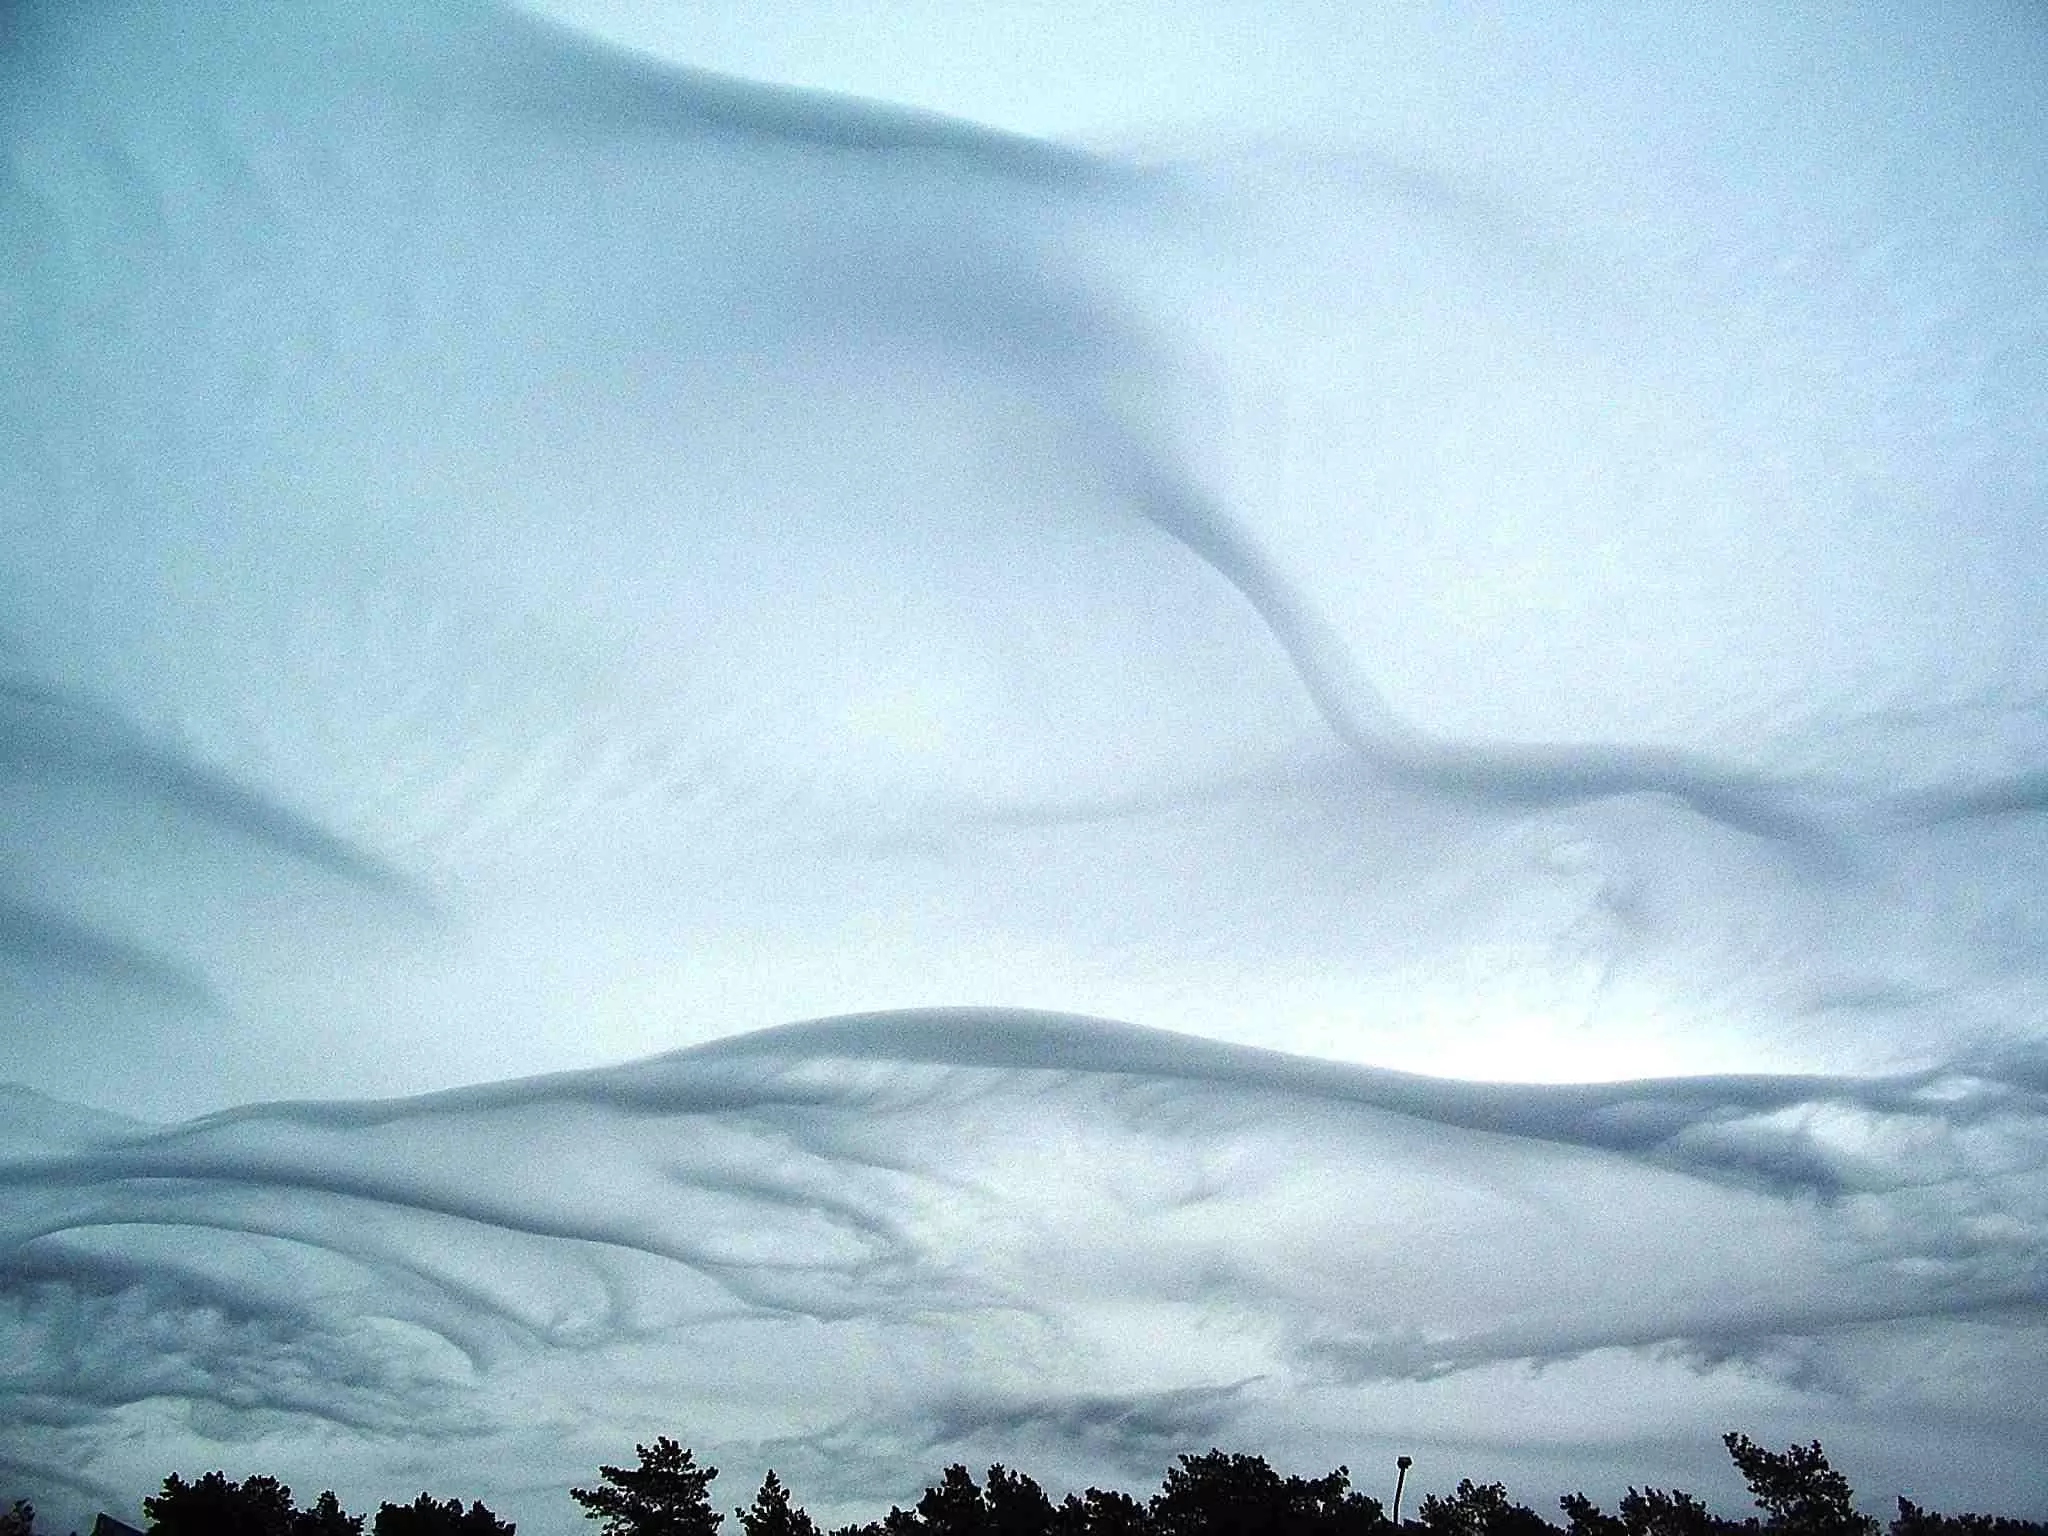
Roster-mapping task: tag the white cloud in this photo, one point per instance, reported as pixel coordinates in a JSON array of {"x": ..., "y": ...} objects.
[{"x": 1504, "y": 554}]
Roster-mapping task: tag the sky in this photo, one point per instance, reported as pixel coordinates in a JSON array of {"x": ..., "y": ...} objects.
[{"x": 1046, "y": 733}]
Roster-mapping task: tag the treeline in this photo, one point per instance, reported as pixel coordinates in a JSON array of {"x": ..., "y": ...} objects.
[
  {"x": 1216, "y": 1493},
  {"x": 262, "y": 1506}
]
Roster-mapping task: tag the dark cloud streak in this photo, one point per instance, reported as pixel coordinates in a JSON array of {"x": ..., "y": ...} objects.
[{"x": 48, "y": 941}]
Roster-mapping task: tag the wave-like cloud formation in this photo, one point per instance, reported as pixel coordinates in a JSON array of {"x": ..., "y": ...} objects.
[
  {"x": 515, "y": 513},
  {"x": 515, "y": 556},
  {"x": 858, "y": 1245}
]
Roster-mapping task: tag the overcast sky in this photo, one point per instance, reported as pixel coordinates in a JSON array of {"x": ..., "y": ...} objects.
[{"x": 1359, "y": 693}]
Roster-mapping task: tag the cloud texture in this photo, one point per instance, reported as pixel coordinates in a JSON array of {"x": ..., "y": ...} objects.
[
  {"x": 854, "y": 1246},
  {"x": 1480, "y": 595}
]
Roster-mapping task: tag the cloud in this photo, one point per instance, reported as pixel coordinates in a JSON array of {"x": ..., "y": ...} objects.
[
  {"x": 47, "y": 940},
  {"x": 57, "y": 749},
  {"x": 908, "y": 1236},
  {"x": 47, "y": 737},
  {"x": 1521, "y": 655},
  {"x": 2020, "y": 794},
  {"x": 655, "y": 360}
]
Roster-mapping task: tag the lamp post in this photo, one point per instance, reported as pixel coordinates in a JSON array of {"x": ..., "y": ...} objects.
[{"x": 1401, "y": 1466}]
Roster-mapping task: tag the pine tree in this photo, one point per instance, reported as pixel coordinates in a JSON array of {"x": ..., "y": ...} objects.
[
  {"x": 666, "y": 1495},
  {"x": 1796, "y": 1488},
  {"x": 771, "y": 1513},
  {"x": 428, "y": 1516},
  {"x": 326, "y": 1518}
]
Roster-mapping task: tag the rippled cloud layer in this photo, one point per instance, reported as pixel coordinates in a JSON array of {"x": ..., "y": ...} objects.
[
  {"x": 1503, "y": 566},
  {"x": 853, "y": 1247}
]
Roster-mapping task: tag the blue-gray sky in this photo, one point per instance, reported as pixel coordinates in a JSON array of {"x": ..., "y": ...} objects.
[{"x": 1495, "y": 554}]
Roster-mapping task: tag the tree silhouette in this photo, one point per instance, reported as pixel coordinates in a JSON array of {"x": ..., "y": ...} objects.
[
  {"x": 1652, "y": 1512},
  {"x": 1799, "y": 1493},
  {"x": 256, "y": 1506},
  {"x": 1328, "y": 1506},
  {"x": 1223, "y": 1494},
  {"x": 666, "y": 1495},
  {"x": 771, "y": 1513},
  {"x": 1582, "y": 1517},
  {"x": 953, "y": 1506},
  {"x": 427, "y": 1516},
  {"x": 1915, "y": 1521},
  {"x": 1016, "y": 1505},
  {"x": 1103, "y": 1512},
  {"x": 1218, "y": 1494},
  {"x": 215, "y": 1506},
  {"x": 1211, "y": 1494},
  {"x": 1479, "y": 1509},
  {"x": 326, "y": 1518}
]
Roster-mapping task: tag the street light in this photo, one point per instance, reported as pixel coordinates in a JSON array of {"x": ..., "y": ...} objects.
[{"x": 1401, "y": 1466}]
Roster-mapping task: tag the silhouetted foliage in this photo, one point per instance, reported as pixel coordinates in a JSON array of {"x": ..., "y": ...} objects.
[
  {"x": 1215, "y": 1493},
  {"x": 326, "y": 1518},
  {"x": 1652, "y": 1512},
  {"x": 1915, "y": 1521},
  {"x": 428, "y": 1516},
  {"x": 772, "y": 1514},
  {"x": 898, "y": 1522},
  {"x": 1010, "y": 1504},
  {"x": 1223, "y": 1494},
  {"x": 1479, "y": 1509},
  {"x": 256, "y": 1506},
  {"x": 1016, "y": 1505},
  {"x": 1329, "y": 1506},
  {"x": 1103, "y": 1512},
  {"x": 1799, "y": 1493},
  {"x": 1582, "y": 1517},
  {"x": 668, "y": 1494},
  {"x": 953, "y": 1506},
  {"x": 215, "y": 1506}
]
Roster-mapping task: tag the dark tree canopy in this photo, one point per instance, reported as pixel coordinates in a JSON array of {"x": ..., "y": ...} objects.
[
  {"x": 1214, "y": 1493},
  {"x": 1016, "y": 1505},
  {"x": 428, "y": 1516},
  {"x": 262, "y": 1506},
  {"x": 1653, "y": 1512},
  {"x": 772, "y": 1514},
  {"x": 1479, "y": 1509},
  {"x": 1915, "y": 1521},
  {"x": 954, "y": 1506},
  {"x": 326, "y": 1518},
  {"x": 1218, "y": 1494},
  {"x": 1227, "y": 1494},
  {"x": 1582, "y": 1517},
  {"x": 1650, "y": 1512},
  {"x": 256, "y": 1506},
  {"x": 216, "y": 1506},
  {"x": 1104, "y": 1512},
  {"x": 1799, "y": 1493},
  {"x": 668, "y": 1494}
]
